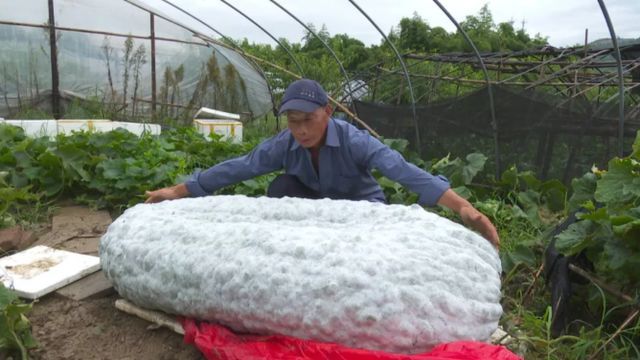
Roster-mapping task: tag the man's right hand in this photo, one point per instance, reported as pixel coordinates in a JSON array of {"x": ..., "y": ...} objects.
[{"x": 168, "y": 193}]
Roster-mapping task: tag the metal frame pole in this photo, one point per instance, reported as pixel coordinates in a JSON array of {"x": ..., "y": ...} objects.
[
  {"x": 406, "y": 75},
  {"x": 333, "y": 54},
  {"x": 230, "y": 46},
  {"x": 55, "y": 76},
  {"x": 293, "y": 58},
  {"x": 494, "y": 123},
  {"x": 616, "y": 48},
  {"x": 153, "y": 65}
]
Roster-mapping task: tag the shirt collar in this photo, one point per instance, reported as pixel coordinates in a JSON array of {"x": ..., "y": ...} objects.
[{"x": 331, "y": 140}]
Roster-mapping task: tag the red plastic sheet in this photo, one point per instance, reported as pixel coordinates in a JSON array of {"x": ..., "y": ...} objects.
[{"x": 218, "y": 343}]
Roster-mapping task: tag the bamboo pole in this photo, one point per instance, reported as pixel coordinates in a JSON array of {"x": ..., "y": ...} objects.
[
  {"x": 626, "y": 322},
  {"x": 515, "y": 83}
]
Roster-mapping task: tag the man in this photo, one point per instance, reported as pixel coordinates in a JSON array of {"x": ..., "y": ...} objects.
[{"x": 325, "y": 157}]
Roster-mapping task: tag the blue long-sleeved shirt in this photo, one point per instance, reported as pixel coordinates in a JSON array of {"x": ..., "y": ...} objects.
[{"x": 345, "y": 163}]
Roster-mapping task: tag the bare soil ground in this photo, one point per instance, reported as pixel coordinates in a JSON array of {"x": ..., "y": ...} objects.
[{"x": 93, "y": 328}]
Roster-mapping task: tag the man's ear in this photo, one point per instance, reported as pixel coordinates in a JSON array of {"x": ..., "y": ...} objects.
[{"x": 328, "y": 109}]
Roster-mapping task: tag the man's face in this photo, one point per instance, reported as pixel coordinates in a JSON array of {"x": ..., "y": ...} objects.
[{"x": 309, "y": 128}]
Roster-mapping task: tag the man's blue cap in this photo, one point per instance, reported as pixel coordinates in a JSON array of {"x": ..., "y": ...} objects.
[{"x": 303, "y": 95}]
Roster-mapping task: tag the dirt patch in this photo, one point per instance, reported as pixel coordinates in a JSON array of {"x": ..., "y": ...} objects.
[
  {"x": 35, "y": 268},
  {"x": 93, "y": 328},
  {"x": 76, "y": 228}
]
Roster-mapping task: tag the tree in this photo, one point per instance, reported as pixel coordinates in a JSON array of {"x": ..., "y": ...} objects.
[
  {"x": 414, "y": 34},
  {"x": 311, "y": 42}
]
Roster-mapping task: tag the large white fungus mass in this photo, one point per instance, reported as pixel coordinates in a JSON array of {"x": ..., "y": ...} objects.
[{"x": 367, "y": 275}]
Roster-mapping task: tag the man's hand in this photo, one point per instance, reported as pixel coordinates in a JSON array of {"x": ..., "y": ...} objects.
[
  {"x": 479, "y": 222},
  {"x": 470, "y": 216},
  {"x": 168, "y": 193}
]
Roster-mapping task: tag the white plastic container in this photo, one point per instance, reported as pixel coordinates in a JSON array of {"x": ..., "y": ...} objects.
[
  {"x": 209, "y": 121},
  {"x": 36, "y": 128},
  {"x": 39, "y": 128},
  {"x": 229, "y": 129},
  {"x": 98, "y": 125},
  {"x": 137, "y": 128}
]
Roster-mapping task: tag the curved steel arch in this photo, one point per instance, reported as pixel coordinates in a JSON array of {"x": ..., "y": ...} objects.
[
  {"x": 344, "y": 72},
  {"x": 231, "y": 43},
  {"x": 616, "y": 48},
  {"x": 494, "y": 123},
  {"x": 404, "y": 69},
  {"x": 293, "y": 58}
]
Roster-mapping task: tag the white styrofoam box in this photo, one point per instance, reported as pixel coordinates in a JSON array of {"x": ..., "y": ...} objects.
[
  {"x": 40, "y": 270},
  {"x": 36, "y": 128},
  {"x": 98, "y": 125},
  {"x": 206, "y": 113},
  {"x": 137, "y": 128},
  {"x": 229, "y": 129}
]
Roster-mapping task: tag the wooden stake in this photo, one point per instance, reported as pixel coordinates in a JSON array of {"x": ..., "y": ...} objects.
[
  {"x": 600, "y": 283},
  {"x": 530, "y": 288},
  {"x": 156, "y": 317}
]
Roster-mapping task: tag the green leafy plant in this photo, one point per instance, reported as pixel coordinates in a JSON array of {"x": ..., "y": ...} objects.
[
  {"x": 608, "y": 205},
  {"x": 108, "y": 170},
  {"x": 12, "y": 201},
  {"x": 15, "y": 328}
]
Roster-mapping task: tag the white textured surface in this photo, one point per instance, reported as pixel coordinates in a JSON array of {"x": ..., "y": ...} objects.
[
  {"x": 40, "y": 270},
  {"x": 363, "y": 274}
]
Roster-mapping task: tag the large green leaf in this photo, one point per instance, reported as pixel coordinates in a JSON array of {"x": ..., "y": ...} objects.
[
  {"x": 399, "y": 145},
  {"x": 621, "y": 183},
  {"x": 475, "y": 164},
  {"x": 627, "y": 227},
  {"x": 584, "y": 189},
  {"x": 618, "y": 255},
  {"x": 636, "y": 147},
  {"x": 15, "y": 329},
  {"x": 74, "y": 158},
  {"x": 489, "y": 207},
  {"x": 523, "y": 255},
  {"x": 510, "y": 177},
  {"x": 113, "y": 169},
  {"x": 10, "y": 133},
  {"x": 554, "y": 194},
  {"x": 529, "y": 178},
  {"x": 6, "y": 296},
  {"x": 575, "y": 238},
  {"x": 529, "y": 201},
  {"x": 460, "y": 172}
]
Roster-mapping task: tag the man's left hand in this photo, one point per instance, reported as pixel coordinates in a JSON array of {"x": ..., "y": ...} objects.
[{"x": 479, "y": 222}]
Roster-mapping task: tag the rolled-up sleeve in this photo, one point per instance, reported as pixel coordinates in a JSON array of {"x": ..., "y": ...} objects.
[
  {"x": 376, "y": 155},
  {"x": 267, "y": 157}
]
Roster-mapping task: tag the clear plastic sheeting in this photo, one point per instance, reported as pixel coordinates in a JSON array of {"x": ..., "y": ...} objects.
[
  {"x": 96, "y": 15},
  {"x": 104, "y": 55},
  {"x": 252, "y": 84},
  {"x": 31, "y": 11},
  {"x": 25, "y": 69}
]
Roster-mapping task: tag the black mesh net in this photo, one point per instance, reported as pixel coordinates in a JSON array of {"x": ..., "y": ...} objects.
[{"x": 549, "y": 134}]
